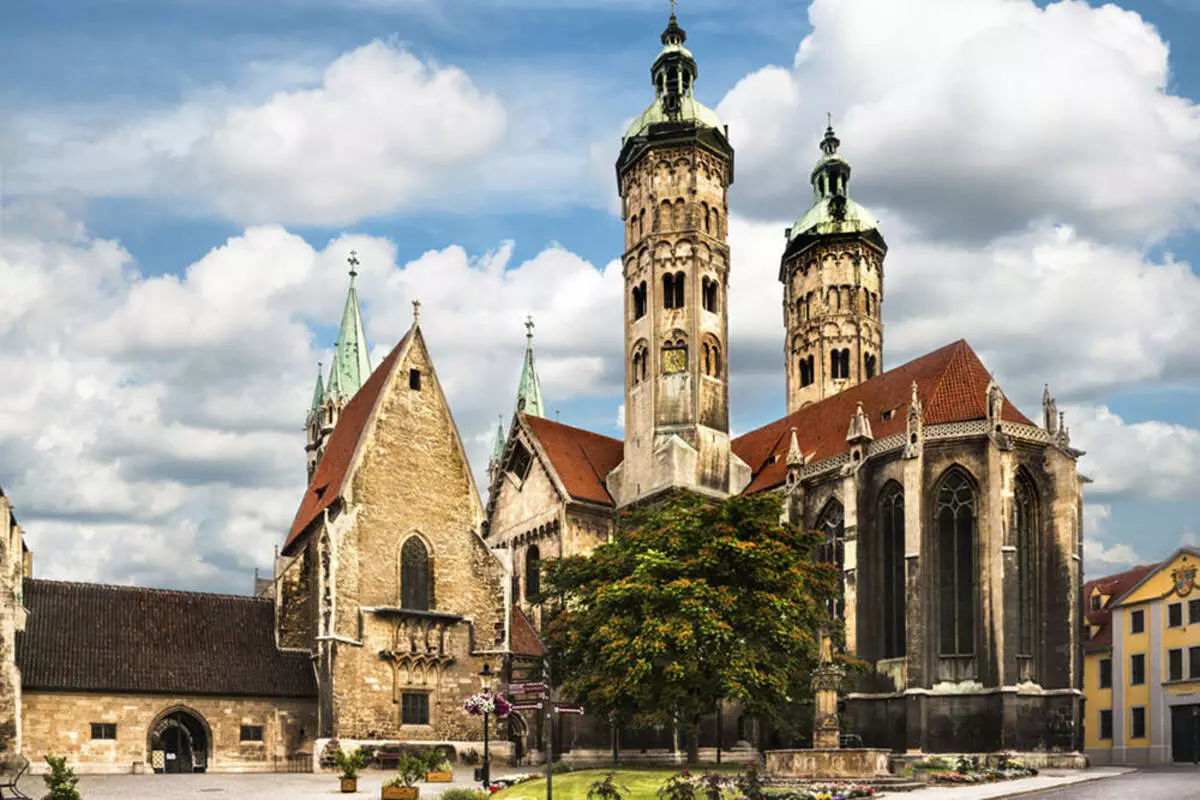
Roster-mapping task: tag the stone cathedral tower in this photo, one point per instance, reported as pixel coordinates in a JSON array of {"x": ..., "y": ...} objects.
[
  {"x": 832, "y": 275},
  {"x": 673, "y": 176}
]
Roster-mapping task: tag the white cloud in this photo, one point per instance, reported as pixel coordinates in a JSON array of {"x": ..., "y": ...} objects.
[
  {"x": 1101, "y": 558},
  {"x": 379, "y": 131},
  {"x": 153, "y": 425},
  {"x": 1145, "y": 460},
  {"x": 972, "y": 118}
]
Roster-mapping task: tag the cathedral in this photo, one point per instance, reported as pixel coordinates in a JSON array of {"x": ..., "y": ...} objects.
[{"x": 400, "y": 588}]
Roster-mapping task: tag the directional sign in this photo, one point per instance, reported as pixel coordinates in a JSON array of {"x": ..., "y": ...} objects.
[
  {"x": 527, "y": 706},
  {"x": 568, "y": 709},
  {"x": 529, "y": 687}
]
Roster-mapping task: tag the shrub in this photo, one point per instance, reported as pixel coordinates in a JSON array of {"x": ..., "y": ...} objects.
[
  {"x": 606, "y": 789},
  {"x": 678, "y": 787},
  {"x": 469, "y": 757},
  {"x": 460, "y": 794},
  {"x": 350, "y": 763},
  {"x": 712, "y": 784},
  {"x": 434, "y": 760},
  {"x": 749, "y": 782},
  {"x": 560, "y": 768},
  {"x": 60, "y": 780}
]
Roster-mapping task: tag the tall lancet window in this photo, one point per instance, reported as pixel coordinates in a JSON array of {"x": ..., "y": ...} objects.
[
  {"x": 833, "y": 551},
  {"x": 891, "y": 542},
  {"x": 415, "y": 582},
  {"x": 956, "y": 565},
  {"x": 533, "y": 572},
  {"x": 1024, "y": 533}
]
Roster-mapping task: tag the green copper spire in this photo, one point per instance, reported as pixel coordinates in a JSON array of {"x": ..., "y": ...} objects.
[
  {"x": 832, "y": 211},
  {"x": 351, "y": 364},
  {"x": 498, "y": 441},
  {"x": 319, "y": 391},
  {"x": 529, "y": 392}
]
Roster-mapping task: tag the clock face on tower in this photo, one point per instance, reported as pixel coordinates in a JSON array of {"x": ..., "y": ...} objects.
[{"x": 674, "y": 359}]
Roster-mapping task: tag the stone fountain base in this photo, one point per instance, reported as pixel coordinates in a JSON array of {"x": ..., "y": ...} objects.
[{"x": 841, "y": 764}]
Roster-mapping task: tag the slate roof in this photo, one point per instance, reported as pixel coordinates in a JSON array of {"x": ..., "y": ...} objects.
[
  {"x": 581, "y": 459},
  {"x": 1114, "y": 586},
  {"x": 326, "y": 484},
  {"x": 951, "y": 385},
  {"x": 86, "y": 637},
  {"x": 525, "y": 640}
]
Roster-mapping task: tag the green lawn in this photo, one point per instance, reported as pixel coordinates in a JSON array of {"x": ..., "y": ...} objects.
[{"x": 642, "y": 784}]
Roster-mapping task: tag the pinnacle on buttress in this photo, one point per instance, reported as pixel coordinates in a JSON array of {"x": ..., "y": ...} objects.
[
  {"x": 860, "y": 427},
  {"x": 794, "y": 457}
]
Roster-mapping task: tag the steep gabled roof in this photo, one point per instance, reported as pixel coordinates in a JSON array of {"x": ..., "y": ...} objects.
[
  {"x": 951, "y": 385},
  {"x": 86, "y": 637},
  {"x": 525, "y": 640},
  {"x": 1114, "y": 586},
  {"x": 327, "y": 482},
  {"x": 581, "y": 459}
]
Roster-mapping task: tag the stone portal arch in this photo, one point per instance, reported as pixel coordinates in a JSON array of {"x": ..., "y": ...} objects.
[{"x": 179, "y": 741}]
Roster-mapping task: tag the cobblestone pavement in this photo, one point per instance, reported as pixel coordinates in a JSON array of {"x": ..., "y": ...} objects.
[
  {"x": 241, "y": 787},
  {"x": 1180, "y": 782}
]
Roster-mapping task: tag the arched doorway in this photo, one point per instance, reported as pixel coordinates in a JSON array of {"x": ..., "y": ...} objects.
[
  {"x": 518, "y": 733},
  {"x": 179, "y": 741}
]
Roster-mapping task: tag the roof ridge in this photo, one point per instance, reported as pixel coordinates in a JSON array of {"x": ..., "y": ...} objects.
[{"x": 158, "y": 590}]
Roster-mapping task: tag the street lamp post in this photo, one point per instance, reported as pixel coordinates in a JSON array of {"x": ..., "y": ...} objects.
[{"x": 485, "y": 772}]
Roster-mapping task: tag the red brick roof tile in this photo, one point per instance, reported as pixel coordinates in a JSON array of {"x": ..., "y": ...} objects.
[
  {"x": 951, "y": 384},
  {"x": 1114, "y": 586},
  {"x": 525, "y": 640},
  {"x": 327, "y": 481},
  {"x": 581, "y": 459}
]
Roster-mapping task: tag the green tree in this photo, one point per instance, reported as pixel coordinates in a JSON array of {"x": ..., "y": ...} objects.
[
  {"x": 60, "y": 779},
  {"x": 693, "y": 600}
]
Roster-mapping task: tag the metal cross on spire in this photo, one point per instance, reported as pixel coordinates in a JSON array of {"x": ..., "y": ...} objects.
[
  {"x": 416, "y": 311},
  {"x": 673, "y": 2},
  {"x": 353, "y": 262},
  {"x": 529, "y": 327}
]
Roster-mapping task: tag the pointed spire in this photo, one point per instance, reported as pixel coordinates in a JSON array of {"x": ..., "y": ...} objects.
[
  {"x": 351, "y": 363},
  {"x": 794, "y": 457},
  {"x": 498, "y": 440},
  {"x": 529, "y": 391},
  {"x": 319, "y": 391}
]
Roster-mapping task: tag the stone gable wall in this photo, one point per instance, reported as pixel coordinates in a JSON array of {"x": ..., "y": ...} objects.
[{"x": 412, "y": 480}]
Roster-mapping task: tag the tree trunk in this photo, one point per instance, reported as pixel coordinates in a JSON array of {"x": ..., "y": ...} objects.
[{"x": 693, "y": 741}]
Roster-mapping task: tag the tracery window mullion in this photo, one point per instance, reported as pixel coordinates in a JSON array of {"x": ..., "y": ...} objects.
[
  {"x": 956, "y": 566},
  {"x": 1024, "y": 527},
  {"x": 891, "y": 519},
  {"x": 831, "y": 523}
]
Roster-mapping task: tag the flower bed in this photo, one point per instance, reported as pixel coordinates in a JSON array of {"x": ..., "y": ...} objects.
[
  {"x": 832, "y": 791},
  {"x": 971, "y": 769}
]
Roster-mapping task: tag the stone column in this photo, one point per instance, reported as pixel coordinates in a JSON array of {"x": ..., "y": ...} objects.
[{"x": 826, "y": 682}]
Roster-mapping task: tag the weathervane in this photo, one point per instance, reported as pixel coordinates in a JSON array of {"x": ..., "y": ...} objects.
[
  {"x": 673, "y": 2},
  {"x": 529, "y": 327},
  {"x": 353, "y": 262}
]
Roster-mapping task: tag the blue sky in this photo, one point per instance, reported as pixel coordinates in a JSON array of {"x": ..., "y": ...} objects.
[{"x": 182, "y": 181}]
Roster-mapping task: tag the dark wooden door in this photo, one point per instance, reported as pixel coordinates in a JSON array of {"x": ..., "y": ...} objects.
[
  {"x": 1185, "y": 734},
  {"x": 177, "y": 750}
]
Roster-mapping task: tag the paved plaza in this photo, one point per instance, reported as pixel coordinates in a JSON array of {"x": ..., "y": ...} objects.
[{"x": 1102, "y": 783}]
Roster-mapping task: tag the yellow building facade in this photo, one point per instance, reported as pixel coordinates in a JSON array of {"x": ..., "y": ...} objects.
[{"x": 1142, "y": 664}]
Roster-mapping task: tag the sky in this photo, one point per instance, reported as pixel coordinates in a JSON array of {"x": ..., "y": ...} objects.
[{"x": 181, "y": 182}]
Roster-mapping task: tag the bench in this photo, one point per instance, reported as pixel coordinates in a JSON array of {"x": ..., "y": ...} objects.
[{"x": 12, "y": 767}]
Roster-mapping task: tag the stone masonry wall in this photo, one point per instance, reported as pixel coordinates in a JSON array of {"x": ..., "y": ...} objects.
[
  {"x": 413, "y": 480},
  {"x": 60, "y": 723}
]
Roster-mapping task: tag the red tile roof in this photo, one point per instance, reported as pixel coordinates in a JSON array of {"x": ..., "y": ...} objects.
[
  {"x": 525, "y": 640},
  {"x": 951, "y": 384},
  {"x": 86, "y": 637},
  {"x": 326, "y": 484},
  {"x": 581, "y": 459},
  {"x": 1114, "y": 586}
]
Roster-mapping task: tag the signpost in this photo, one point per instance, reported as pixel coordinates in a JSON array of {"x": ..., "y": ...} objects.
[{"x": 535, "y": 696}]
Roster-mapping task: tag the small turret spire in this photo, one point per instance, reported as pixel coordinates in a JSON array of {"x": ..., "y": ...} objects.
[
  {"x": 319, "y": 391},
  {"x": 529, "y": 391},
  {"x": 351, "y": 362}
]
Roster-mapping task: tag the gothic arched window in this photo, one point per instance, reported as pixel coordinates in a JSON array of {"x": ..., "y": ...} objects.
[
  {"x": 891, "y": 542},
  {"x": 415, "y": 579},
  {"x": 955, "y": 543},
  {"x": 1024, "y": 534},
  {"x": 533, "y": 572},
  {"x": 831, "y": 522}
]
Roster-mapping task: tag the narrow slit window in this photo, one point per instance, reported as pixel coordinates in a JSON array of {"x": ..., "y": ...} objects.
[{"x": 414, "y": 380}]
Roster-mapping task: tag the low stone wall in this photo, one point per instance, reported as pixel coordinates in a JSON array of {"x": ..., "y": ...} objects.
[
  {"x": 842, "y": 763},
  {"x": 60, "y": 723}
]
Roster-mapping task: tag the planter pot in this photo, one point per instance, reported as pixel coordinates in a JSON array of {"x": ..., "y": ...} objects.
[
  {"x": 400, "y": 793},
  {"x": 439, "y": 777},
  {"x": 349, "y": 785}
]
